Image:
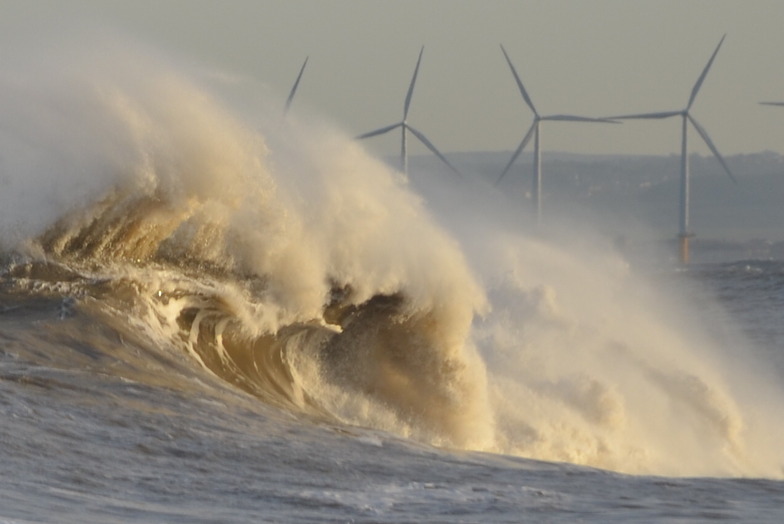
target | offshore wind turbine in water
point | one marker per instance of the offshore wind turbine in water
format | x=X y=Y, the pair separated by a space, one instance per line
x=535 y=131
x=684 y=234
x=406 y=127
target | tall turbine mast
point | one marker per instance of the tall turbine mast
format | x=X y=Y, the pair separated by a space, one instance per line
x=294 y=87
x=685 y=114
x=407 y=128
x=535 y=132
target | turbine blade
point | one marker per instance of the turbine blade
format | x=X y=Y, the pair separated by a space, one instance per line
x=772 y=103
x=380 y=131
x=422 y=138
x=574 y=118
x=294 y=87
x=517 y=152
x=519 y=83
x=639 y=116
x=411 y=86
x=703 y=75
x=711 y=146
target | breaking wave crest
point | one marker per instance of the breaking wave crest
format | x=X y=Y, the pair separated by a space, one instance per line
x=326 y=268
x=293 y=265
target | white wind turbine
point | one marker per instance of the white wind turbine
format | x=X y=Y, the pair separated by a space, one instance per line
x=406 y=127
x=295 y=86
x=534 y=131
x=685 y=114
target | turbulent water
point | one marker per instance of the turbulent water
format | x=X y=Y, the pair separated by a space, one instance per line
x=210 y=316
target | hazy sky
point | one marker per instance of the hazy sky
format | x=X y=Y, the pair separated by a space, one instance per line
x=588 y=57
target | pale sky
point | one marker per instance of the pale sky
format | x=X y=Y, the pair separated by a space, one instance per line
x=587 y=57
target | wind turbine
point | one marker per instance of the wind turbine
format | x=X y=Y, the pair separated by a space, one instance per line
x=685 y=114
x=295 y=86
x=406 y=127
x=772 y=103
x=534 y=131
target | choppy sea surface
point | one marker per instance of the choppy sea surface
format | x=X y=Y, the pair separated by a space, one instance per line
x=100 y=426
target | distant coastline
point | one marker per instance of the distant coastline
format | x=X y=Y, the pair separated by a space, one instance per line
x=636 y=196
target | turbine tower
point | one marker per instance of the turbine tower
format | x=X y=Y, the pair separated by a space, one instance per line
x=294 y=87
x=686 y=117
x=535 y=131
x=406 y=128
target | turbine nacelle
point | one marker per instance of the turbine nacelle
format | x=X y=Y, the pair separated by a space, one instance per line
x=534 y=131
x=686 y=115
x=403 y=124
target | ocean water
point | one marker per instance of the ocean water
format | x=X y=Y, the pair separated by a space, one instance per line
x=207 y=316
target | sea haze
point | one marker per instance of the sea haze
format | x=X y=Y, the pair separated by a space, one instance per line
x=635 y=198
